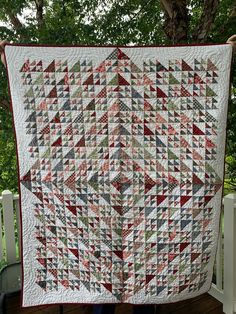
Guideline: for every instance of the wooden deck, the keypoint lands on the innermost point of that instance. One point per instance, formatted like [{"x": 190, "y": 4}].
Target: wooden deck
[{"x": 204, "y": 304}]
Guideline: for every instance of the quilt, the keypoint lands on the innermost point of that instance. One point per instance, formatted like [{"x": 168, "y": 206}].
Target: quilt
[{"x": 120, "y": 155}]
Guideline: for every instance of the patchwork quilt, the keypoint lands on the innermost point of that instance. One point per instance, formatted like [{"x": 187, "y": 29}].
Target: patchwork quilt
[{"x": 121, "y": 163}]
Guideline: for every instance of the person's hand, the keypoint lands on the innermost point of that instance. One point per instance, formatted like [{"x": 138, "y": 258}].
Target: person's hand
[
  {"x": 232, "y": 41},
  {"x": 2, "y": 47}
]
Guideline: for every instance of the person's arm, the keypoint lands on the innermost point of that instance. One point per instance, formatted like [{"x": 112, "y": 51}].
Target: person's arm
[{"x": 2, "y": 46}]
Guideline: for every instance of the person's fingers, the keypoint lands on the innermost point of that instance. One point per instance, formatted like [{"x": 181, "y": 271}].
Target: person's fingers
[
  {"x": 232, "y": 41},
  {"x": 2, "y": 46},
  {"x": 232, "y": 38},
  {"x": 3, "y": 59}
]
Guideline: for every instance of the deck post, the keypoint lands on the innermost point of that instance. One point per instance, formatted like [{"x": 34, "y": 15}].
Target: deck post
[{"x": 229, "y": 254}]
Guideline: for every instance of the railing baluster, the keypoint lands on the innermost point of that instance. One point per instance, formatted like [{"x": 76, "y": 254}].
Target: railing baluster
[
  {"x": 8, "y": 221},
  {"x": 17, "y": 207},
  {"x": 217, "y": 289},
  {"x": 229, "y": 253},
  {"x": 219, "y": 275},
  {"x": 1, "y": 239}
]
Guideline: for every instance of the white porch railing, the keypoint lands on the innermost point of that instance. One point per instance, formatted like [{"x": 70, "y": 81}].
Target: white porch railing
[
  {"x": 225, "y": 264},
  {"x": 225, "y": 287},
  {"x": 9, "y": 221}
]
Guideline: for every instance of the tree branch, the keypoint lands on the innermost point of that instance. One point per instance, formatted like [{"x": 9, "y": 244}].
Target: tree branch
[
  {"x": 168, "y": 8},
  {"x": 15, "y": 21},
  {"x": 233, "y": 11},
  {"x": 39, "y": 13},
  {"x": 206, "y": 20},
  {"x": 18, "y": 26},
  {"x": 140, "y": 10}
]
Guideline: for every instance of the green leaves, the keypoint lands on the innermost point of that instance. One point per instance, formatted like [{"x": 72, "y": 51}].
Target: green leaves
[{"x": 8, "y": 164}]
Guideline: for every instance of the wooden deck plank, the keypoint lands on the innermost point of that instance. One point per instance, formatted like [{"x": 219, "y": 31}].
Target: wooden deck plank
[
  {"x": 84, "y": 309},
  {"x": 162, "y": 308},
  {"x": 203, "y": 304}
]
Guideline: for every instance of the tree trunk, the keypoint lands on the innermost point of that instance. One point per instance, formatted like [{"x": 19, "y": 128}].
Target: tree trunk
[
  {"x": 39, "y": 12},
  {"x": 176, "y": 25},
  {"x": 207, "y": 20},
  {"x": 176, "y": 20}
]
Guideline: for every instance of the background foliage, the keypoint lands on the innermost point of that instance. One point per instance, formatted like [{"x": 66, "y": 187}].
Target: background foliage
[{"x": 114, "y": 22}]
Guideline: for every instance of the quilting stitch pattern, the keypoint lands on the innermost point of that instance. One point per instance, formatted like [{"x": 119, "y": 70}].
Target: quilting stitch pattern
[{"x": 123, "y": 173}]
